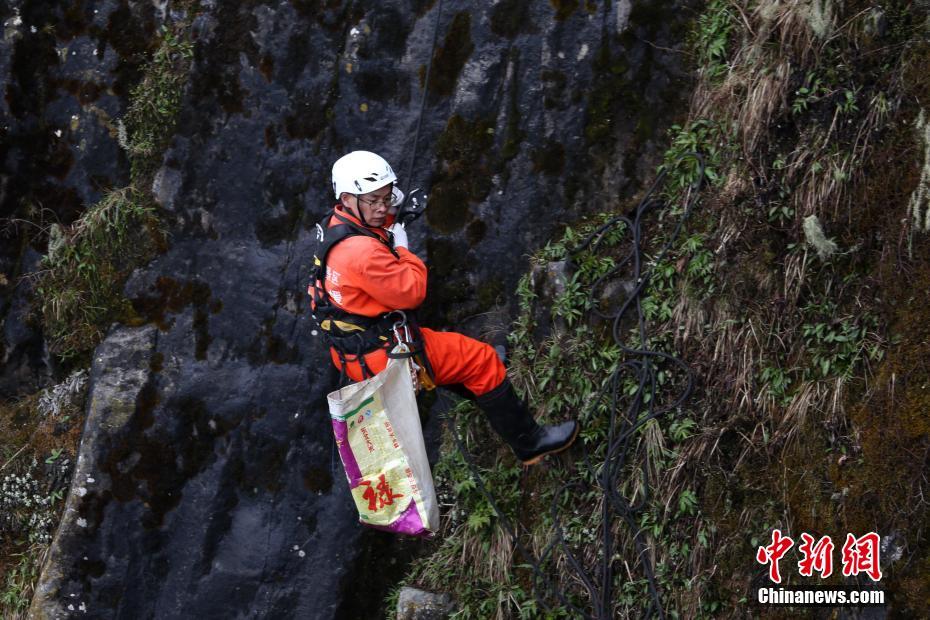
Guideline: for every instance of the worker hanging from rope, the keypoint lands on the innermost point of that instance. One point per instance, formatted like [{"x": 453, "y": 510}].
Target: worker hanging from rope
[{"x": 366, "y": 283}]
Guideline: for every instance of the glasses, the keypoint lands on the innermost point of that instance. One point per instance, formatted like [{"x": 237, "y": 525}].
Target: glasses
[{"x": 387, "y": 200}]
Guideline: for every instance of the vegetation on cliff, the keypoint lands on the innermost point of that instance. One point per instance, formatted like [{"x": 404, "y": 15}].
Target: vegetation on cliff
[
  {"x": 78, "y": 294},
  {"x": 796, "y": 294}
]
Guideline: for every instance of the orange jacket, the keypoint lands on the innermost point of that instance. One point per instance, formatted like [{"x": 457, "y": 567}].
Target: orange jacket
[{"x": 364, "y": 277}]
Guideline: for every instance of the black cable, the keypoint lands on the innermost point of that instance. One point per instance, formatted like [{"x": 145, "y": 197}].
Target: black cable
[
  {"x": 619, "y": 435},
  {"x": 621, "y": 429},
  {"x": 505, "y": 523}
]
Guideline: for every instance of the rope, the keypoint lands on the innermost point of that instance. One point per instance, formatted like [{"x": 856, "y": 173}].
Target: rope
[
  {"x": 429, "y": 67},
  {"x": 622, "y": 429}
]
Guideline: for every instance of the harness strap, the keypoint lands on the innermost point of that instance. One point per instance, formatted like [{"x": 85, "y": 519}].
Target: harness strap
[{"x": 355, "y": 334}]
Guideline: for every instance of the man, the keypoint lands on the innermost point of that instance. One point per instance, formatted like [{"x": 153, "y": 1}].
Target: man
[{"x": 365, "y": 275}]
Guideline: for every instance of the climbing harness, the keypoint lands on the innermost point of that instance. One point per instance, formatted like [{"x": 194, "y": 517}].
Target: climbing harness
[
  {"x": 352, "y": 334},
  {"x": 355, "y": 334},
  {"x": 623, "y": 426}
]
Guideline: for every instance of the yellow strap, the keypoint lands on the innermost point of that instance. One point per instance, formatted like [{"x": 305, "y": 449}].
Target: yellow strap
[{"x": 342, "y": 325}]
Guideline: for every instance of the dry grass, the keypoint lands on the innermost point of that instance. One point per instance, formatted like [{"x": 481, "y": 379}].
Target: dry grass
[{"x": 823, "y": 166}]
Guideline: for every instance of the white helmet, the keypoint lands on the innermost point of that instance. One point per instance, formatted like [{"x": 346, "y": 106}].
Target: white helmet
[{"x": 361, "y": 172}]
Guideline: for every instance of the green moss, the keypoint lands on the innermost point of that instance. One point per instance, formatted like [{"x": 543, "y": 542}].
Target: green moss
[
  {"x": 311, "y": 113},
  {"x": 549, "y": 159},
  {"x": 201, "y": 327},
  {"x": 171, "y": 297},
  {"x": 317, "y": 479},
  {"x": 464, "y": 174},
  {"x": 554, "y": 89},
  {"x": 893, "y": 422},
  {"x": 266, "y": 346},
  {"x": 450, "y": 291},
  {"x": 489, "y": 293},
  {"x": 476, "y": 232},
  {"x": 273, "y": 229},
  {"x": 383, "y": 84},
  {"x": 513, "y": 135},
  {"x": 448, "y": 208},
  {"x": 449, "y": 59},
  {"x": 421, "y": 7},
  {"x": 610, "y": 88},
  {"x": 510, "y": 17},
  {"x": 158, "y": 362},
  {"x": 564, "y": 8}
]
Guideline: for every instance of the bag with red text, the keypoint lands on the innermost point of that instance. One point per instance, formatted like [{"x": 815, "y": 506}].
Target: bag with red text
[{"x": 380, "y": 441}]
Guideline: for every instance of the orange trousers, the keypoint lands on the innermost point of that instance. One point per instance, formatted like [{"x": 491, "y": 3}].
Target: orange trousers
[{"x": 455, "y": 359}]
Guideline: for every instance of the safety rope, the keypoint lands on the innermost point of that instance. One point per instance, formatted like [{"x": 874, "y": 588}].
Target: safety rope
[
  {"x": 429, "y": 67},
  {"x": 622, "y": 429}
]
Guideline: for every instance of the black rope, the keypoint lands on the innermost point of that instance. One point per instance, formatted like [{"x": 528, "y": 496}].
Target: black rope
[
  {"x": 641, "y": 362},
  {"x": 429, "y": 67}
]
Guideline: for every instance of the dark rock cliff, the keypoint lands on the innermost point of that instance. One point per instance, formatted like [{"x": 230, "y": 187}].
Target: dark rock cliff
[{"x": 206, "y": 484}]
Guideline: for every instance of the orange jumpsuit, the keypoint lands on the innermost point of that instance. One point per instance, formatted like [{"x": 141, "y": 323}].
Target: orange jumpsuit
[{"x": 363, "y": 277}]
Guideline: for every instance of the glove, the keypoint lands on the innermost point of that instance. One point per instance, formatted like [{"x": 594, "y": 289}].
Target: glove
[{"x": 400, "y": 235}]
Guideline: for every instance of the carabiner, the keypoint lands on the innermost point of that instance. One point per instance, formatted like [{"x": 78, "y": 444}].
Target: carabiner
[{"x": 401, "y": 323}]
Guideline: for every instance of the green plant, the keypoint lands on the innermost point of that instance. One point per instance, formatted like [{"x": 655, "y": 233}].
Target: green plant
[
  {"x": 835, "y": 344},
  {"x": 809, "y": 93},
  {"x": 777, "y": 383},
  {"x": 701, "y": 136},
  {"x": 79, "y": 289},
  {"x": 20, "y": 583},
  {"x": 714, "y": 27},
  {"x": 780, "y": 213},
  {"x": 847, "y": 103},
  {"x": 572, "y": 302},
  {"x": 156, "y": 101}
]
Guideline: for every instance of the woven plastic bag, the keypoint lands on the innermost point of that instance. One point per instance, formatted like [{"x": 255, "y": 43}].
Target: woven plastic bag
[{"x": 380, "y": 441}]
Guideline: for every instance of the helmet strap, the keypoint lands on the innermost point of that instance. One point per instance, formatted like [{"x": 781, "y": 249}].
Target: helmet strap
[{"x": 358, "y": 210}]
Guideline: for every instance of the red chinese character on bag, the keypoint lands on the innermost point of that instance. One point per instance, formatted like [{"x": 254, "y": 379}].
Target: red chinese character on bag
[
  {"x": 817, "y": 557},
  {"x": 384, "y": 497},
  {"x": 860, "y": 555},
  {"x": 773, "y": 553}
]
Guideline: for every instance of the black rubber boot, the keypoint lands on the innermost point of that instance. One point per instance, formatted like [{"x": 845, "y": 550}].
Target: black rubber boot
[{"x": 510, "y": 418}]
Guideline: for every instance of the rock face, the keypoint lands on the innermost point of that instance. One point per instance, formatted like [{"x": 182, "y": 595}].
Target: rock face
[
  {"x": 215, "y": 492},
  {"x": 64, "y": 70},
  {"x": 413, "y": 604},
  {"x": 121, "y": 370}
]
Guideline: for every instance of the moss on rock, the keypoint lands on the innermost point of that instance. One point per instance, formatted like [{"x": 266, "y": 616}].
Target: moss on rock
[
  {"x": 464, "y": 172},
  {"x": 450, "y": 57}
]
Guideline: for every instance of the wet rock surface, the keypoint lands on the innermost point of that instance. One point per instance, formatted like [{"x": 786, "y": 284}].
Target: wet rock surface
[{"x": 216, "y": 492}]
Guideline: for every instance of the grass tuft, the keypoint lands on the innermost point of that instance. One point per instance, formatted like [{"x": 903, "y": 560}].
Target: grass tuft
[{"x": 79, "y": 289}]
